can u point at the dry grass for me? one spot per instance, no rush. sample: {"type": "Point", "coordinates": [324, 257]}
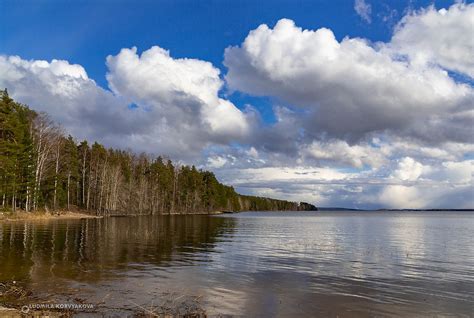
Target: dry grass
{"type": "Point", "coordinates": [43, 215]}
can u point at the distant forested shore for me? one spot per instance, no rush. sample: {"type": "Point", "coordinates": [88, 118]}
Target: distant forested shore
{"type": "Point", "coordinates": [43, 169]}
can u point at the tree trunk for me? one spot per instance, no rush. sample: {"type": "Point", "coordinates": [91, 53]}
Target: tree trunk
{"type": "Point", "coordinates": [68, 182]}
{"type": "Point", "coordinates": [88, 189]}
{"type": "Point", "coordinates": [84, 177]}
{"type": "Point", "coordinates": [27, 201]}
{"type": "Point", "coordinates": [56, 170]}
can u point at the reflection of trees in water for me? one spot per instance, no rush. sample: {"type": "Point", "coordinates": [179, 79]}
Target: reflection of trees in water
{"type": "Point", "coordinates": [87, 249]}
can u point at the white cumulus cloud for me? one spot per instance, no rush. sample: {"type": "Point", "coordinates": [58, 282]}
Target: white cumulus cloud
{"type": "Point", "coordinates": [408, 169]}
{"type": "Point", "coordinates": [444, 37]}
{"type": "Point", "coordinates": [185, 89]}
{"type": "Point", "coordinates": [348, 89]}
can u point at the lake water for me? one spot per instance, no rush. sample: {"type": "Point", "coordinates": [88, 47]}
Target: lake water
{"type": "Point", "coordinates": [288, 264]}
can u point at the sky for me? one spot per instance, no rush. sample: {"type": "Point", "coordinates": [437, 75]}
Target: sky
{"type": "Point", "coordinates": [358, 104]}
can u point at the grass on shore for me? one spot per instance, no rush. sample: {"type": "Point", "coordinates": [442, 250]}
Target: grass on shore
{"type": "Point", "coordinates": [43, 215]}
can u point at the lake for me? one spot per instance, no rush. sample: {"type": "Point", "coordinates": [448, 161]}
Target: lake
{"type": "Point", "coordinates": [267, 264]}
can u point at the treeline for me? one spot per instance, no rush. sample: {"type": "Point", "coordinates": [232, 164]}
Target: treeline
{"type": "Point", "coordinates": [41, 168]}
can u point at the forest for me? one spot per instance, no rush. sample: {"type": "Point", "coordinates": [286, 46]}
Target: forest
{"type": "Point", "coordinates": [43, 169]}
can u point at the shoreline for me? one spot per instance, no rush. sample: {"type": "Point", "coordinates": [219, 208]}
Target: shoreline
{"type": "Point", "coordinates": [6, 217]}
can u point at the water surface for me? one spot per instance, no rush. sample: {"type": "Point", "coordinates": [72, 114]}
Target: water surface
{"type": "Point", "coordinates": [345, 264]}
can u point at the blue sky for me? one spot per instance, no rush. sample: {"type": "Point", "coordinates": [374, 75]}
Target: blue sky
{"type": "Point", "coordinates": [333, 102]}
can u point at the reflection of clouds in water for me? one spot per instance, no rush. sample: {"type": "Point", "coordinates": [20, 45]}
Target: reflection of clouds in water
{"type": "Point", "coordinates": [420, 242]}
{"type": "Point", "coordinates": [384, 257]}
{"type": "Point", "coordinates": [407, 241]}
{"type": "Point", "coordinates": [346, 244]}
